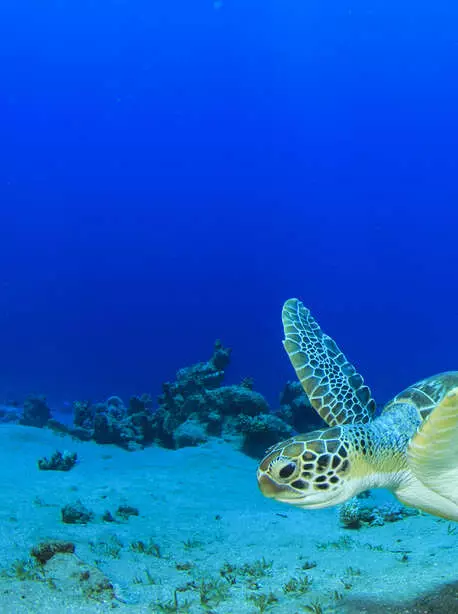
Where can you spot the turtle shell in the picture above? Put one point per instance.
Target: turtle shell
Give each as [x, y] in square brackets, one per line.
[426, 394]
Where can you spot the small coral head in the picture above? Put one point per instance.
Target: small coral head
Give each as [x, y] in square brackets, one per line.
[307, 471]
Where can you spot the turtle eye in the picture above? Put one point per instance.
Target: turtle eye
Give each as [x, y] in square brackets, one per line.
[287, 471]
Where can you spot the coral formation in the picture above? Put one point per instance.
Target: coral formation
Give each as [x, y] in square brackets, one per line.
[193, 408]
[44, 551]
[58, 462]
[107, 516]
[130, 427]
[36, 411]
[9, 413]
[350, 514]
[354, 513]
[295, 409]
[83, 415]
[190, 433]
[193, 395]
[76, 513]
[197, 406]
[261, 431]
[125, 511]
[95, 585]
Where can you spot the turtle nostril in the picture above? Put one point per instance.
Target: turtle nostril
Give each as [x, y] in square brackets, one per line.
[287, 471]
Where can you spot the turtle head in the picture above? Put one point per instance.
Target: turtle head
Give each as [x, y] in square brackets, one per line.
[308, 471]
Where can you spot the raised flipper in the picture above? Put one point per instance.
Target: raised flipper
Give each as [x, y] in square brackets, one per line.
[335, 390]
[433, 451]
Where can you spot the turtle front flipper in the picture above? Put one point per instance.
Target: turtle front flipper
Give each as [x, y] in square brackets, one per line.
[335, 390]
[432, 453]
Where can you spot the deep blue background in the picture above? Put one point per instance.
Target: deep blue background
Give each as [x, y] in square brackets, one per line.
[171, 173]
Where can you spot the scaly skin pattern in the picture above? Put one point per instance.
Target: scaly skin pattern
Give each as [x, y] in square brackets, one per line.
[329, 466]
[334, 388]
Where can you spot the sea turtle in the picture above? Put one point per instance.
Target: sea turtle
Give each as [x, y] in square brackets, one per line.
[410, 449]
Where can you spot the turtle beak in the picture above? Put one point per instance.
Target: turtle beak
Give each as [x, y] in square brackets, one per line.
[267, 486]
[273, 490]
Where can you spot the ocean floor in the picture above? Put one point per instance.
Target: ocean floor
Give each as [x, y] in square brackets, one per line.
[204, 539]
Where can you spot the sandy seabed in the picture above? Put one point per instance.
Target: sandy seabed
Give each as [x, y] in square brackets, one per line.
[205, 540]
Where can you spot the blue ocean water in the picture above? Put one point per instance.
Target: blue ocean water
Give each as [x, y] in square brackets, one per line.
[171, 172]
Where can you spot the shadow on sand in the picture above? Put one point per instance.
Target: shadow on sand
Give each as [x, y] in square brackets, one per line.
[440, 601]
